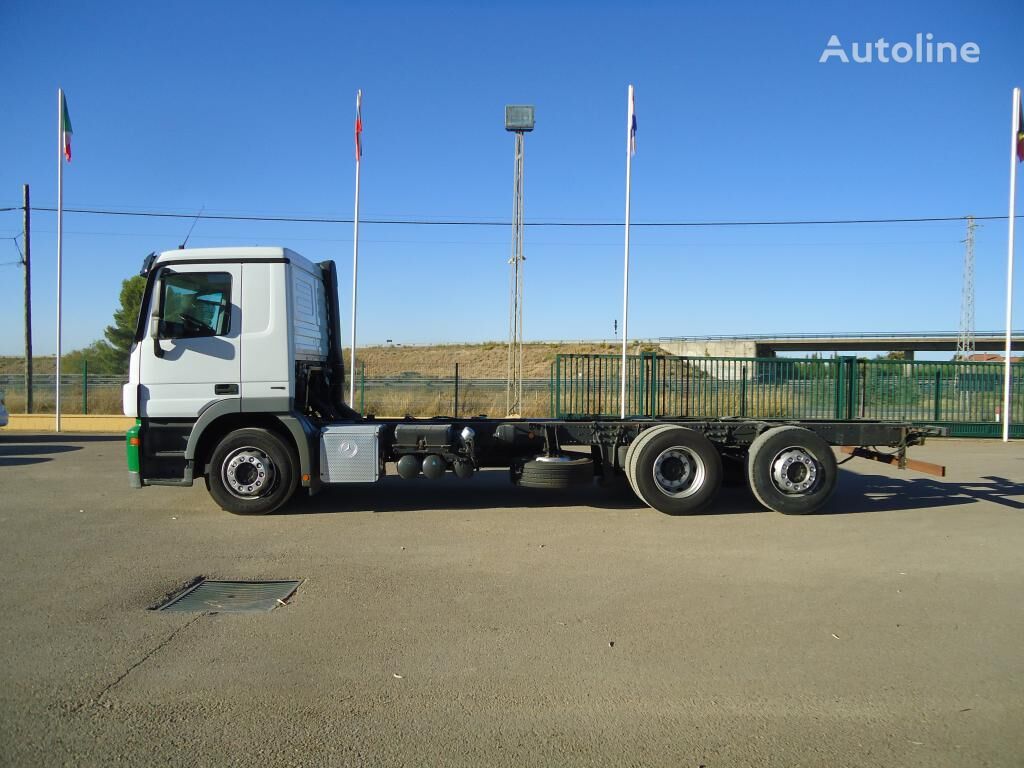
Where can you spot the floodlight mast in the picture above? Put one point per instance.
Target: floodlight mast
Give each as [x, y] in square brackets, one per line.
[519, 119]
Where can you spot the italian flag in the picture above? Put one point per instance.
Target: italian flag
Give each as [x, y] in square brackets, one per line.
[65, 128]
[359, 124]
[1020, 135]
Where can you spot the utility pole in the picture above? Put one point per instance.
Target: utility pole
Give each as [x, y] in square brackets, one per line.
[28, 301]
[965, 339]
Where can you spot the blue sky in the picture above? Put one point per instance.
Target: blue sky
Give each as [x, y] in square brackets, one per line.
[248, 107]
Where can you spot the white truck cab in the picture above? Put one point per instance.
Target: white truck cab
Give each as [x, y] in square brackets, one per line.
[231, 338]
[197, 349]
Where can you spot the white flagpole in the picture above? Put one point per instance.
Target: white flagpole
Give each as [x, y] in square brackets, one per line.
[355, 260]
[1009, 261]
[625, 277]
[60, 232]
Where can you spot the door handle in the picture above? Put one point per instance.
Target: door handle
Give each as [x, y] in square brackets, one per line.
[225, 389]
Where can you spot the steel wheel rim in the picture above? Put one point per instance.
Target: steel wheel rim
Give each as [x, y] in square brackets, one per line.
[679, 472]
[248, 473]
[795, 472]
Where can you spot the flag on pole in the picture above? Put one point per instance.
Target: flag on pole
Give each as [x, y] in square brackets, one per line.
[1020, 135]
[359, 124]
[65, 128]
[630, 151]
[632, 123]
[355, 247]
[1016, 156]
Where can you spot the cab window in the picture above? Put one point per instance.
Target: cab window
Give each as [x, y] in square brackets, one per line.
[195, 304]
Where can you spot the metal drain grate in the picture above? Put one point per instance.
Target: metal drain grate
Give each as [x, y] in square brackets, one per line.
[232, 596]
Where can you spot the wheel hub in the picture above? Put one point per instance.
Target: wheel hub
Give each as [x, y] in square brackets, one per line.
[678, 471]
[249, 473]
[794, 470]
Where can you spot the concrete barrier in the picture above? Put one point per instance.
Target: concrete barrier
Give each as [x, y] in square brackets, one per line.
[44, 422]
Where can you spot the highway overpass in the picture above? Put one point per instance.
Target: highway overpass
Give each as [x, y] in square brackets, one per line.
[767, 345]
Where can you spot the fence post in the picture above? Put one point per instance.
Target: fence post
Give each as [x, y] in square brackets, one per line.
[456, 406]
[862, 394]
[362, 389]
[85, 386]
[837, 371]
[558, 386]
[652, 400]
[743, 391]
[845, 374]
[938, 393]
[851, 393]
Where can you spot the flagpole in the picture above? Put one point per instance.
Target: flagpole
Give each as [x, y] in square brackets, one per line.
[625, 276]
[1007, 378]
[355, 257]
[60, 233]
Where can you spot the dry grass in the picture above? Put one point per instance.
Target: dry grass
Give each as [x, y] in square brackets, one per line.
[476, 361]
[15, 364]
[488, 360]
[102, 400]
[434, 401]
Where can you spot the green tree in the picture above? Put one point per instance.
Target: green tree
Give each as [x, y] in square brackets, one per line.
[121, 334]
[95, 355]
[109, 356]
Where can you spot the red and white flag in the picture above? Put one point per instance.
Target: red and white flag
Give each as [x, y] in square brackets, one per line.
[359, 125]
[632, 122]
[65, 127]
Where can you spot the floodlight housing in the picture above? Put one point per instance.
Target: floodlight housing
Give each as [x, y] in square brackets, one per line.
[519, 117]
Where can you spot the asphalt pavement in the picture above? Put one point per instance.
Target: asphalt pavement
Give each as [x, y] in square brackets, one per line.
[474, 623]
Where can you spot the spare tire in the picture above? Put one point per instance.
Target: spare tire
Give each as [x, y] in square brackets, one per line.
[557, 472]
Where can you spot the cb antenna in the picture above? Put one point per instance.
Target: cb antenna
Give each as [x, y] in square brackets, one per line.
[194, 222]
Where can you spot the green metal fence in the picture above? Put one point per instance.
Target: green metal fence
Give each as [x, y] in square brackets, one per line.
[966, 397]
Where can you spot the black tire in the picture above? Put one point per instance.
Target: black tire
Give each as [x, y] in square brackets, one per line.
[557, 472]
[634, 448]
[677, 471]
[791, 470]
[252, 472]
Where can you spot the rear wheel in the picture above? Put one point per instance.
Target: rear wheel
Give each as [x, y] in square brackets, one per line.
[791, 470]
[677, 471]
[252, 472]
[634, 449]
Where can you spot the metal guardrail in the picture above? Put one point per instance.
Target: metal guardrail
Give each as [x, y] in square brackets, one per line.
[15, 382]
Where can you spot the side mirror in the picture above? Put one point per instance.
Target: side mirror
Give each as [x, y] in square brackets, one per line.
[154, 334]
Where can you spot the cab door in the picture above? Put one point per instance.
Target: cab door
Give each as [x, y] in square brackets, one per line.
[194, 359]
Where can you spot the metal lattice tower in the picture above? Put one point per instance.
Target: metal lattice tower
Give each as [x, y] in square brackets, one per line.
[514, 384]
[518, 120]
[965, 339]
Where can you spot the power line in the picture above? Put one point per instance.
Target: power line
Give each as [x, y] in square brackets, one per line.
[20, 261]
[494, 223]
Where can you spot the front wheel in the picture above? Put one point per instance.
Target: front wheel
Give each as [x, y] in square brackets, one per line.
[791, 470]
[252, 472]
